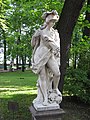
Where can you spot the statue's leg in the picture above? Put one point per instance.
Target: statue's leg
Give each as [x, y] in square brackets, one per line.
[43, 86]
[53, 65]
[49, 79]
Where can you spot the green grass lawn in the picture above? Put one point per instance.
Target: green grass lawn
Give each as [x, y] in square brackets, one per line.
[19, 87]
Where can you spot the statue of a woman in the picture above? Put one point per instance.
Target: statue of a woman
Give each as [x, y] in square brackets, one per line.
[46, 60]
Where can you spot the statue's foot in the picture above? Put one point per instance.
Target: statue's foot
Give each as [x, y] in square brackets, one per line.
[58, 92]
[45, 103]
[37, 100]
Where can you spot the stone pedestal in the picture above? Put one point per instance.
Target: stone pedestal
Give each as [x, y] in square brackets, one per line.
[46, 114]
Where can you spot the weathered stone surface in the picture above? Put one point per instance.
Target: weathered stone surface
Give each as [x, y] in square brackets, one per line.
[45, 60]
[47, 114]
[40, 107]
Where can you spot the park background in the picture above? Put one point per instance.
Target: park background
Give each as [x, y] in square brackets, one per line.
[18, 21]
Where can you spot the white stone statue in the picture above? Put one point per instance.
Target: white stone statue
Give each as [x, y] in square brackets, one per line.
[46, 60]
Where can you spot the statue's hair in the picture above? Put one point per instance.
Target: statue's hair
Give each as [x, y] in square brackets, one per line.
[45, 14]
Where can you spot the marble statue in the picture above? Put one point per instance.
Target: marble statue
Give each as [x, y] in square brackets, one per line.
[46, 61]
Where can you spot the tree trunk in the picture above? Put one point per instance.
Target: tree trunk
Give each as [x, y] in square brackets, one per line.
[23, 64]
[75, 59]
[65, 26]
[5, 63]
[5, 60]
[17, 65]
[29, 62]
[17, 56]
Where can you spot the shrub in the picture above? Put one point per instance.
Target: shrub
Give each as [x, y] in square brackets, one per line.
[77, 84]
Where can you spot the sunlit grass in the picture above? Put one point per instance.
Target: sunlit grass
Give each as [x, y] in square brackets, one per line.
[19, 87]
[9, 93]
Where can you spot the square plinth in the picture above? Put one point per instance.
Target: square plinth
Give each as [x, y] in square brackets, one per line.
[47, 114]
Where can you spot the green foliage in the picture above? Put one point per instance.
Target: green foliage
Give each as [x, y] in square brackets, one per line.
[23, 17]
[80, 45]
[4, 5]
[77, 84]
[77, 80]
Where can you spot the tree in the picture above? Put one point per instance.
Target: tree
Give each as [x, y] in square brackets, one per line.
[24, 18]
[66, 24]
[4, 42]
[3, 7]
[87, 19]
[84, 59]
[3, 27]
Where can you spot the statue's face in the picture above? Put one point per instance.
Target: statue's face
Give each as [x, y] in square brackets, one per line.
[51, 23]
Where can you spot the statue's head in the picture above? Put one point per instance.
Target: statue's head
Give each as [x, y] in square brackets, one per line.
[50, 16]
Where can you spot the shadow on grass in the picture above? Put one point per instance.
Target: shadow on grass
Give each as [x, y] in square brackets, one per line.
[24, 101]
[75, 110]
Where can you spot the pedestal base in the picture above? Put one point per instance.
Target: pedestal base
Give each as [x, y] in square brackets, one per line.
[40, 107]
[47, 114]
